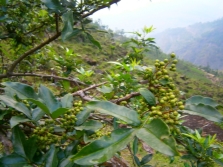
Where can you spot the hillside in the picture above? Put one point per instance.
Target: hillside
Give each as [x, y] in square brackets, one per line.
[200, 44]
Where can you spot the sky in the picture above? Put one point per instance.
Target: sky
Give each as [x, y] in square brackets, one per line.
[133, 15]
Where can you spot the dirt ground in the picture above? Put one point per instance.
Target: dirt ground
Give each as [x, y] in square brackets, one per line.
[196, 122]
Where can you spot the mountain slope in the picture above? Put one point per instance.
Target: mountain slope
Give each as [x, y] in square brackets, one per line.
[201, 43]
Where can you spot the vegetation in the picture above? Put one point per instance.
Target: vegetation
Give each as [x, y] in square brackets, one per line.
[88, 116]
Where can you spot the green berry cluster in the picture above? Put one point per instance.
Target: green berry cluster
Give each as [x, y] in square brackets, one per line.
[45, 136]
[68, 121]
[100, 133]
[148, 73]
[142, 107]
[162, 86]
[78, 106]
[26, 103]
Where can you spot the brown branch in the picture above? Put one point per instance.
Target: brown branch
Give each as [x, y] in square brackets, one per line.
[31, 51]
[6, 143]
[102, 118]
[45, 76]
[127, 97]
[29, 124]
[99, 8]
[36, 28]
[81, 93]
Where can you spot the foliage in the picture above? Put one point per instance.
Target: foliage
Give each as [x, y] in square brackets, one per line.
[91, 125]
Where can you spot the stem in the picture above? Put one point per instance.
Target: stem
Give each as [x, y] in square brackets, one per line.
[129, 148]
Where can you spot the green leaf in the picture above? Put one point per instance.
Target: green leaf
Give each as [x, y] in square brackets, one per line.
[82, 116]
[66, 84]
[135, 146]
[164, 81]
[68, 30]
[16, 105]
[186, 164]
[146, 159]
[41, 105]
[2, 114]
[71, 148]
[103, 149]
[60, 111]
[15, 120]
[90, 125]
[203, 110]
[105, 89]
[13, 160]
[53, 5]
[150, 98]
[66, 163]
[125, 114]
[157, 135]
[200, 99]
[30, 147]
[220, 162]
[37, 114]
[51, 158]
[67, 101]
[23, 91]
[95, 42]
[3, 2]
[48, 98]
[136, 159]
[18, 140]
[21, 146]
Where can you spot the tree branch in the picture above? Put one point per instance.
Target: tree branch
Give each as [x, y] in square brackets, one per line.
[43, 76]
[127, 97]
[31, 51]
[99, 8]
[81, 93]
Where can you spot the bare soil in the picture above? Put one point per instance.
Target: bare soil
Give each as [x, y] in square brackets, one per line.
[208, 127]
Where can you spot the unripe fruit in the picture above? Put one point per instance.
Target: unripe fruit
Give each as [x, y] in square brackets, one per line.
[159, 73]
[173, 65]
[153, 108]
[181, 107]
[172, 55]
[157, 64]
[165, 60]
[165, 71]
[162, 63]
[162, 101]
[175, 113]
[175, 61]
[159, 113]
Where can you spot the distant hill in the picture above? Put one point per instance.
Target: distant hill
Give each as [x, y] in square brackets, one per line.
[200, 44]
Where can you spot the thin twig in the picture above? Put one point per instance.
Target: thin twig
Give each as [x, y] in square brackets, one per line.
[47, 76]
[81, 92]
[130, 150]
[127, 97]
[99, 8]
